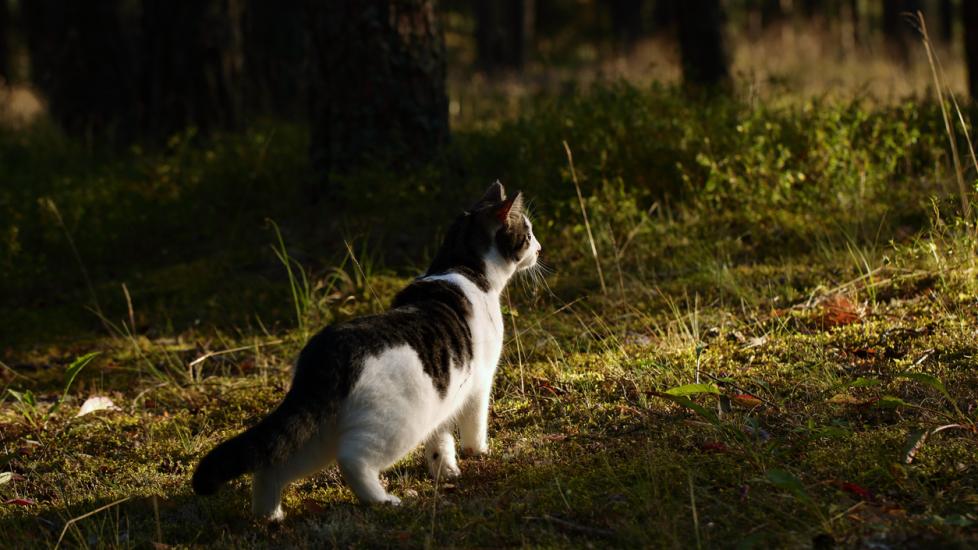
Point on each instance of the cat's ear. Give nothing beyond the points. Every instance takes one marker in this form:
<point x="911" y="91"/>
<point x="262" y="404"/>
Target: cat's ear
<point x="511" y="208"/>
<point x="495" y="194"/>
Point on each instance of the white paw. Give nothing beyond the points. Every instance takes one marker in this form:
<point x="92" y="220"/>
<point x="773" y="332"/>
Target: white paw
<point x="476" y="450"/>
<point x="392" y="500"/>
<point x="447" y="471"/>
<point x="276" y="516"/>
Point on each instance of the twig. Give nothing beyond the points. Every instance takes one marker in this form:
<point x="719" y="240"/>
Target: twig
<point x="587" y="224"/>
<point x="210" y="354"/>
<point x="85" y="515"/>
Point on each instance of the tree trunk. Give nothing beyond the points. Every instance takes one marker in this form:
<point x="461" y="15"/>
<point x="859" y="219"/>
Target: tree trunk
<point x="772" y="13"/>
<point x="811" y="8"/>
<point x="702" y="45"/>
<point x="192" y="65"/>
<point x="378" y="83"/>
<point x="275" y="48"/>
<point x="504" y="28"/>
<point x="897" y="30"/>
<point x="5" y="27"/>
<point x="969" y="16"/>
<point x="664" y="15"/>
<point x="81" y="60"/>
<point x="626" y="22"/>
<point x="945" y="20"/>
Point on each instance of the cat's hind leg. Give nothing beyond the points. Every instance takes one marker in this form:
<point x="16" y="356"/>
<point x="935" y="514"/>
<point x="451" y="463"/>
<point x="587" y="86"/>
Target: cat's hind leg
<point x="439" y="452"/>
<point x="270" y="481"/>
<point x="364" y="479"/>
<point x="266" y="493"/>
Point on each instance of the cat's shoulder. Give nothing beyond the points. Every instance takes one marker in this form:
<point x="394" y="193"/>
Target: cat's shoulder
<point x="449" y="288"/>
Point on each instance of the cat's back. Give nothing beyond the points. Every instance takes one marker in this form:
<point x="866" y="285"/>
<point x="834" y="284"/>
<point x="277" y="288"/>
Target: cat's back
<point x="432" y="316"/>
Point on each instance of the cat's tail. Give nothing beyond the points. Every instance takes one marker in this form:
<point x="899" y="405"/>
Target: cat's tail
<point x="273" y="440"/>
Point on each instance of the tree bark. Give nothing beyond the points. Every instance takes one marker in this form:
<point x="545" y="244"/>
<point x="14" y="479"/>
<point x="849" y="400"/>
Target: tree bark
<point x="81" y="60"/>
<point x="378" y="83"/>
<point x="897" y="31"/>
<point x="772" y="13"/>
<point x="945" y="23"/>
<point x="275" y="55"/>
<point x="969" y="16"/>
<point x="5" y="27"/>
<point x="192" y="65"/>
<point x="702" y="44"/>
<point x="664" y="15"/>
<point x="626" y="22"/>
<point x="504" y="30"/>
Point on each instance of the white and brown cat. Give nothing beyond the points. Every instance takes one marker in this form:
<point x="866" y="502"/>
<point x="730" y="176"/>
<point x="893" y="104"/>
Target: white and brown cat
<point x="366" y="392"/>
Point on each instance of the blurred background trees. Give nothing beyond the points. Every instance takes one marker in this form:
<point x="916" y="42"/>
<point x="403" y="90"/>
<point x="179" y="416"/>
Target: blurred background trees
<point x="369" y="78"/>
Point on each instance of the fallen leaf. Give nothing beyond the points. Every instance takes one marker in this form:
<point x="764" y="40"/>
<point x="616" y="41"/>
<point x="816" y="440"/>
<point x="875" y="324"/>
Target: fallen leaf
<point x="857" y="490"/>
<point x="846" y="399"/>
<point x="20" y="502"/>
<point x="6" y="477"/>
<point x="915" y="440"/>
<point x="746" y="400"/>
<point x="713" y="447"/>
<point x="838" y="310"/>
<point x="97" y="403"/>
<point x="756" y="342"/>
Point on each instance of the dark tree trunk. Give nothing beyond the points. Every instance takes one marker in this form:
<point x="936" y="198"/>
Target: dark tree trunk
<point x="192" y="65"/>
<point x="5" y="28"/>
<point x="626" y="22"/>
<point x="378" y="83"/>
<point x="81" y="60"/>
<point x="811" y="8"/>
<point x="275" y="48"/>
<point x="664" y="15"/>
<point x="702" y="45"/>
<point x="897" y="30"/>
<point x="969" y="16"/>
<point x="945" y="20"/>
<point x="504" y="28"/>
<point x="772" y="13"/>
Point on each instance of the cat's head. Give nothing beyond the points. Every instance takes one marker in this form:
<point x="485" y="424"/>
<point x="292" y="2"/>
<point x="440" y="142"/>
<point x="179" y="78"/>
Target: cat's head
<point x="493" y="239"/>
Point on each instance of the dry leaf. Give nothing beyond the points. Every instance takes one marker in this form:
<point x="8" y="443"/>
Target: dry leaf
<point x="838" y="310"/>
<point x="746" y="400"/>
<point x="97" y="403"/>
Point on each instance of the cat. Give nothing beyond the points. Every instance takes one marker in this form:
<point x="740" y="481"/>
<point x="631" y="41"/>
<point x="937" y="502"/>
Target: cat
<point x="368" y="391"/>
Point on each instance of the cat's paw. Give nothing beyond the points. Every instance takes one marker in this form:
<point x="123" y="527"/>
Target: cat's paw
<point x="391" y="500"/>
<point x="475" y="450"/>
<point x="446" y="471"/>
<point x="277" y="515"/>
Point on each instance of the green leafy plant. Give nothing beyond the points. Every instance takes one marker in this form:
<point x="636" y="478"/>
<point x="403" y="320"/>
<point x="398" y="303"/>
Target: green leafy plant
<point x="30" y="409"/>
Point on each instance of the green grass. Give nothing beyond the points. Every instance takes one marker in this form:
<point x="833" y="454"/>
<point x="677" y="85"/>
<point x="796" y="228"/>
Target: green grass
<point x="801" y="263"/>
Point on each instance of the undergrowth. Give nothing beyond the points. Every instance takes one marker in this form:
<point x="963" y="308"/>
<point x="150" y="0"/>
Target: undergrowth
<point x="782" y="351"/>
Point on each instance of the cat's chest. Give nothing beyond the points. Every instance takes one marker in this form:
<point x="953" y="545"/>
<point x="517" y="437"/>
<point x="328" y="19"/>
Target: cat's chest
<point x="485" y="320"/>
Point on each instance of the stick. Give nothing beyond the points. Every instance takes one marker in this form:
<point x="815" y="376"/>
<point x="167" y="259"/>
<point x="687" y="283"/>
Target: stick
<point x="83" y="516"/>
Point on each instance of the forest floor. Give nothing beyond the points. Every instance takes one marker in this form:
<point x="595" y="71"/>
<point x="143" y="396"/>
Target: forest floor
<point x="766" y="362"/>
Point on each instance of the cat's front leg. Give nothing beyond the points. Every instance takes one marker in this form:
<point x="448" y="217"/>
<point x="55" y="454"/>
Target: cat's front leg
<point x="473" y="423"/>
<point x="439" y="451"/>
